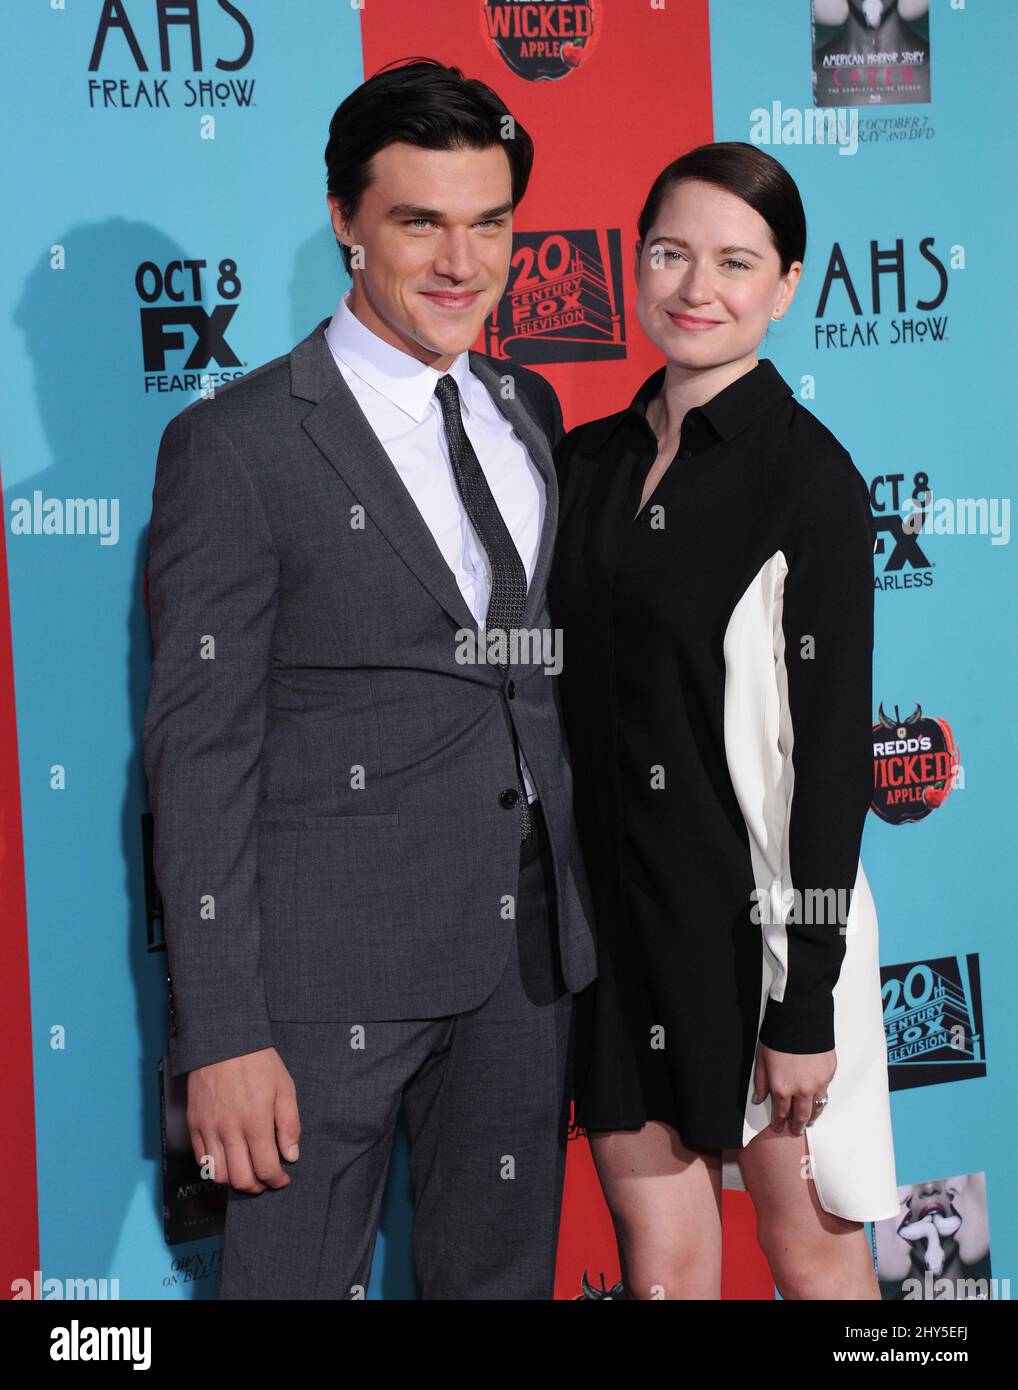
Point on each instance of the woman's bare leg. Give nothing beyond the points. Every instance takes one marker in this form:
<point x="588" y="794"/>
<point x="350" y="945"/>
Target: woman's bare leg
<point x="812" y="1254"/>
<point x="665" y="1203"/>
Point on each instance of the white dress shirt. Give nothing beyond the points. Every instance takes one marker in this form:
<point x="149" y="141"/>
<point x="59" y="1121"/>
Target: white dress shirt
<point x="396" y="392"/>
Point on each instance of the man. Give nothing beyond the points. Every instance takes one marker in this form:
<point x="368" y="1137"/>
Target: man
<point x="363" y="829"/>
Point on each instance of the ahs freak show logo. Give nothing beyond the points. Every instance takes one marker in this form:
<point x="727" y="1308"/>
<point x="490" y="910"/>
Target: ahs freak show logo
<point x="899" y="528"/>
<point x="184" y="344"/>
<point x="542" y="40"/>
<point x="210" y="40"/>
<point x="563" y="300"/>
<point x="933" y="1021"/>
<point x="915" y="765"/>
<point x="884" y="295"/>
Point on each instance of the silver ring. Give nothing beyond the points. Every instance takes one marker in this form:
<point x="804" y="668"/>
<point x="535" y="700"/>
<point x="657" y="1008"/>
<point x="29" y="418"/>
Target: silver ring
<point x="820" y="1102"/>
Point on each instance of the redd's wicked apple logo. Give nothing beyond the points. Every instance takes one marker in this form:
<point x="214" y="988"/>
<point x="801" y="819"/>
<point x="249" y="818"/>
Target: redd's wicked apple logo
<point x="600" y="1293"/>
<point x="542" y="40"/>
<point x="915" y="765"/>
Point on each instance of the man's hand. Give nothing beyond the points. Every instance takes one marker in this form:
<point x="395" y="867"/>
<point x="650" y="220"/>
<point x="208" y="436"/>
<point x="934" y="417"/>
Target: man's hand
<point x="242" y="1115"/>
<point x="794" y="1080"/>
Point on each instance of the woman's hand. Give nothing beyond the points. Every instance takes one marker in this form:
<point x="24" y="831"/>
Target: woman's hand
<point x="794" y="1081"/>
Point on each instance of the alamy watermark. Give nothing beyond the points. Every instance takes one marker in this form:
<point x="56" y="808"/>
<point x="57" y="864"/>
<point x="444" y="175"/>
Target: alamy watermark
<point x="822" y="907"/>
<point x="958" y="516"/>
<point x="514" y="646"/>
<point x="66" y="516"/>
<point x="810" y="125"/>
<point x="55" y="1287"/>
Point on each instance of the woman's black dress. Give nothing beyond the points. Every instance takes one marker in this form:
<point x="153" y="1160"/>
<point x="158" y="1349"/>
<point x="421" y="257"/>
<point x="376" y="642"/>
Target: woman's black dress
<point x="716" y="689"/>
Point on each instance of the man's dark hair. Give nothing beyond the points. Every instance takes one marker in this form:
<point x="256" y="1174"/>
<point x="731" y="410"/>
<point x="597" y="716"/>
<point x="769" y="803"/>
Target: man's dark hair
<point x="421" y="102"/>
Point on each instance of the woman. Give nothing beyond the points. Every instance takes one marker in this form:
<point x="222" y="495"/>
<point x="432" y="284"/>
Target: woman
<point x="713" y="581"/>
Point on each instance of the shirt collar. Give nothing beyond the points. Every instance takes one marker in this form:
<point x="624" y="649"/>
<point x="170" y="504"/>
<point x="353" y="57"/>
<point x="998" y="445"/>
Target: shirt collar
<point x="402" y="379"/>
<point x="729" y="412"/>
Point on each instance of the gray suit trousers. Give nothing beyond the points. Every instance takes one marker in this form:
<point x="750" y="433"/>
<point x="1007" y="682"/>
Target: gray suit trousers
<point x="486" y="1099"/>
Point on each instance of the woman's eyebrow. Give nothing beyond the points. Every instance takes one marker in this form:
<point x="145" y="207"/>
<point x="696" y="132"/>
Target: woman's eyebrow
<point x="722" y="250"/>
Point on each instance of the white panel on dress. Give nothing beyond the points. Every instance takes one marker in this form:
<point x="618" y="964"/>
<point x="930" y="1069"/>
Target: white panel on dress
<point x="850" y="1146"/>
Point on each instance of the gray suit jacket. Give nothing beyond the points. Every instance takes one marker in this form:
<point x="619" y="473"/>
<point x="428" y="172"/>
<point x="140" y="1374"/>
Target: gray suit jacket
<point x="331" y="839"/>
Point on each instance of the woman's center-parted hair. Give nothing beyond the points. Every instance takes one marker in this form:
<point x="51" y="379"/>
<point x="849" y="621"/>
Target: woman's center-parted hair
<point x="752" y="175"/>
<point x="418" y="101"/>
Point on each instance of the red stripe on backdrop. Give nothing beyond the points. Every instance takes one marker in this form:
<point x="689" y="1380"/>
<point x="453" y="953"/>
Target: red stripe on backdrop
<point x="19" y="1219"/>
<point x="638" y="94"/>
<point x="745" y="1272"/>
<point x="601" y="134"/>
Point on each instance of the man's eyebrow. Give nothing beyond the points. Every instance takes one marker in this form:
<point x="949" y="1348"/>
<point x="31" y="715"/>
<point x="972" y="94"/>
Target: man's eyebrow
<point x="722" y="250"/>
<point x="399" y="210"/>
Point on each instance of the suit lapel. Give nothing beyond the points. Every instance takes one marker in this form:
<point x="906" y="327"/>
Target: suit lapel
<point x="340" y="430"/>
<point x="338" y="427"/>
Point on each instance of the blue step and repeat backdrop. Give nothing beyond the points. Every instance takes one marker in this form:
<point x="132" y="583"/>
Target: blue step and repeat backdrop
<point x="165" y="231"/>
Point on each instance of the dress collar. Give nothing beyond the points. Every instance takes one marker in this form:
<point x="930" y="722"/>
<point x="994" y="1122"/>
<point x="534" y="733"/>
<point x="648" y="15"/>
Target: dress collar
<point x="729" y="412"/>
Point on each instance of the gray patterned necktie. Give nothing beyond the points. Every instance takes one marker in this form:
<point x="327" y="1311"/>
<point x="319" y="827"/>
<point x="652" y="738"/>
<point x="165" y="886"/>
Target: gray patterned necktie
<point x="508" y="575"/>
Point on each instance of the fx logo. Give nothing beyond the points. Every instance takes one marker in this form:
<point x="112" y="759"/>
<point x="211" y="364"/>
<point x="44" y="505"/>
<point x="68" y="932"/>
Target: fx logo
<point x="181" y="282"/>
<point x="160" y="335"/>
<point x="902" y="530"/>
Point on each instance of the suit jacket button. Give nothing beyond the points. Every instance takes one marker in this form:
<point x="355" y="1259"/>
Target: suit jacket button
<point x="508" y="798"/>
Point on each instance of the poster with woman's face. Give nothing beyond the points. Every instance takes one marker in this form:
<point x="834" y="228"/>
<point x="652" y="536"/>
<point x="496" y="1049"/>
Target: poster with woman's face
<point x="871" y="52"/>
<point x="938" y="1246"/>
